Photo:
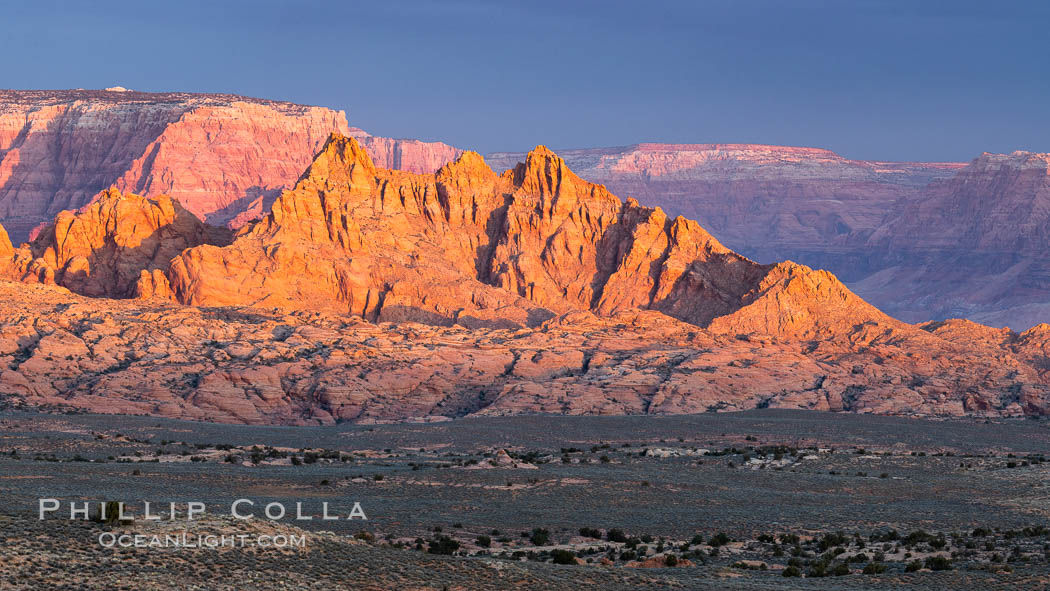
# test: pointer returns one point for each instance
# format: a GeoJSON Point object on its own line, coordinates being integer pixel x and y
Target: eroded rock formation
{"type": "Point", "coordinates": [919, 240]}
{"type": "Point", "coordinates": [109, 246]}
{"type": "Point", "coordinates": [467, 245]}
{"type": "Point", "coordinates": [224, 157]}
{"type": "Point", "coordinates": [60, 350]}
{"type": "Point", "coordinates": [369, 294]}
{"type": "Point", "coordinates": [767, 202]}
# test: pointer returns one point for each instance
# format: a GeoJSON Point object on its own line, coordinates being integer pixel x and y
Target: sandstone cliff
{"type": "Point", "coordinates": [106, 248]}
{"type": "Point", "coordinates": [919, 240]}
{"type": "Point", "coordinates": [224, 157]}
{"type": "Point", "coordinates": [468, 246]}
{"type": "Point", "coordinates": [974, 245]}
{"type": "Point", "coordinates": [905, 236]}
{"type": "Point", "coordinates": [407, 154]}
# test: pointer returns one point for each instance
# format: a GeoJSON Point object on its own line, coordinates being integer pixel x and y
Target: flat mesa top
{"type": "Point", "coordinates": [52, 97]}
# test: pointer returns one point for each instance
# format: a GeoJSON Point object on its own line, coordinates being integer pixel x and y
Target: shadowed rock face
{"type": "Point", "coordinates": [224, 157]}
{"type": "Point", "coordinates": [978, 242]}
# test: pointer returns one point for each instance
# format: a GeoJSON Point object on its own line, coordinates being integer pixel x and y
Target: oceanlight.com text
{"type": "Point", "coordinates": [206, 541]}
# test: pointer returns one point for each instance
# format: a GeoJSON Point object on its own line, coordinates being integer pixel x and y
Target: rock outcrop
{"type": "Point", "coordinates": [910, 237]}
{"type": "Point", "coordinates": [60, 350]}
{"type": "Point", "coordinates": [224, 157]}
{"type": "Point", "coordinates": [467, 245]}
{"type": "Point", "coordinates": [109, 246]}
{"type": "Point", "coordinates": [6, 249]}
{"type": "Point", "coordinates": [354, 239]}
{"type": "Point", "coordinates": [767, 202]}
{"type": "Point", "coordinates": [369, 294]}
{"type": "Point", "coordinates": [920, 241]}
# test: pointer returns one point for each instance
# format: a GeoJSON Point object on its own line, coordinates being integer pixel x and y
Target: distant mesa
{"type": "Point", "coordinates": [225, 158]}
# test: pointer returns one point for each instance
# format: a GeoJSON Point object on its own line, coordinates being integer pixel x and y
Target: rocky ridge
{"type": "Point", "coordinates": [907, 237]}
{"type": "Point", "coordinates": [919, 240]}
{"type": "Point", "coordinates": [111, 248]}
{"type": "Point", "coordinates": [467, 245]}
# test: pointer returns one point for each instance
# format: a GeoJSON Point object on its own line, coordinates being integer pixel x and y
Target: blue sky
{"type": "Point", "coordinates": [875, 79]}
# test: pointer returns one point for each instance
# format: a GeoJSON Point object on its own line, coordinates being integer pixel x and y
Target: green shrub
{"type": "Point", "coordinates": [818, 569]}
{"type": "Point", "coordinates": [719, 539]}
{"type": "Point", "coordinates": [831, 540]}
{"type": "Point", "coordinates": [540, 536]}
{"type": "Point", "coordinates": [443, 545]}
{"type": "Point", "coordinates": [560, 556]}
{"type": "Point", "coordinates": [938, 563]}
{"type": "Point", "coordinates": [916, 537]}
{"type": "Point", "coordinates": [874, 568]}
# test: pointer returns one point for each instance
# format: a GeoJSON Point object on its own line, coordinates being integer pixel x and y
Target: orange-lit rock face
{"type": "Point", "coordinates": [107, 247]}
{"type": "Point", "coordinates": [6, 249]}
{"type": "Point", "coordinates": [467, 245]}
{"type": "Point", "coordinates": [354, 239]}
{"type": "Point", "coordinates": [223, 157]}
